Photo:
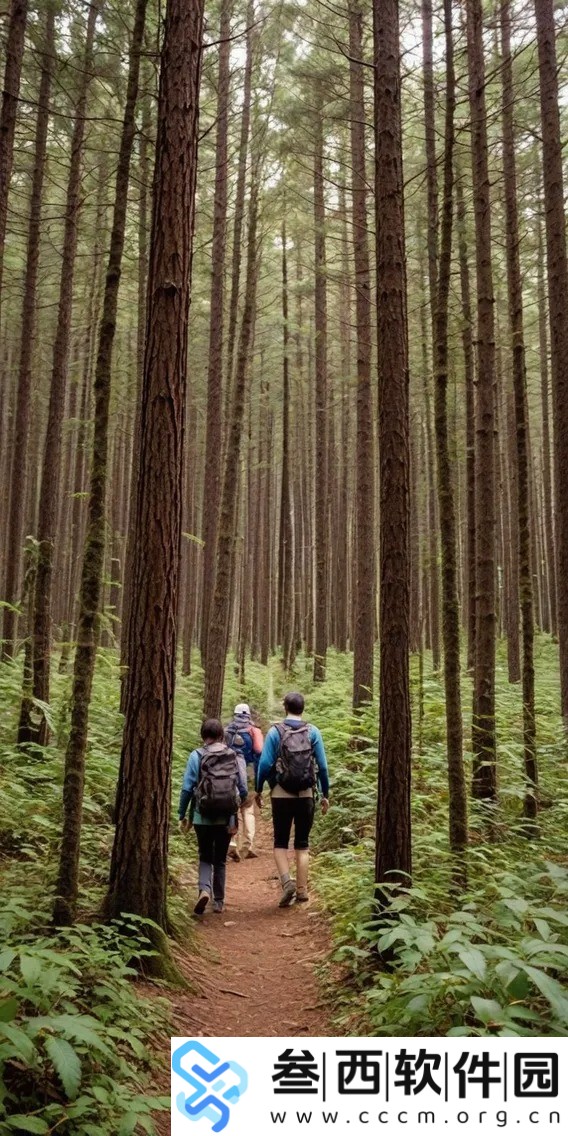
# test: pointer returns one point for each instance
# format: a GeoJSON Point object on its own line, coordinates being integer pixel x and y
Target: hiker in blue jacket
{"type": "Point", "coordinates": [294, 764]}
{"type": "Point", "coordinates": [213, 784]}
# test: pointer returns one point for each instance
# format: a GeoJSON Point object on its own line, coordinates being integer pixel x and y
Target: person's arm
{"type": "Point", "coordinates": [190, 779]}
{"type": "Point", "coordinates": [321, 761]}
{"type": "Point", "coordinates": [257, 741]}
{"type": "Point", "coordinates": [267, 758]}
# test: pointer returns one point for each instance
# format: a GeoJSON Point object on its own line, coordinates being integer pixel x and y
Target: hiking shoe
{"type": "Point", "coordinates": [218, 906]}
{"type": "Point", "coordinates": [234, 854]}
{"type": "Point", "coordinates": [288, 893]}
{"type": "Point", "coordinates": [202, 901]}
{"type": "Point", "coordinates": [302, 895]}
{"type": "Point", "coordinates": [250, 855]}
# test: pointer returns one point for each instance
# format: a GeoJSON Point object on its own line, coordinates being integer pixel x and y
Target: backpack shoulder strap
{"type": "Point", "coordinates": [281, 729]}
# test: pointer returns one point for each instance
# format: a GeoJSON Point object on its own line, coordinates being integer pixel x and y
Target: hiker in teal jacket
{"type": "Point", "coordinates": [213, 833]}
{"type": "Point", "coordinates": [296, 806]}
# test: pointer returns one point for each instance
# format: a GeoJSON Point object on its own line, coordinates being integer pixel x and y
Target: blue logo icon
{"type": "Point", "coordinates": [214, 1089]}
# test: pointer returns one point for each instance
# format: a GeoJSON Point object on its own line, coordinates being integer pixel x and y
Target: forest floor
{"type": "Point", "coordinates": [254, 972]}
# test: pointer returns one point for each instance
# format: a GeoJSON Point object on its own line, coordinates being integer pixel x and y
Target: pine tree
{"type": "Point", "coordinates": [393, 858]}
{"type": "Point", "coordinates": [139, 873]}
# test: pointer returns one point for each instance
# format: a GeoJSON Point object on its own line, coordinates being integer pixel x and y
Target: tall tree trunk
{"type": "Point", "coordinates": [18, 477]}
{"type": "Point", "coordinates": [286, 548]}
{"type": "Point", "coordinates": [321, 410]}
{"type": "Point", "coordinates": [139, 865]}
{"type": "Point", "coordinates": [393, 861]}
{"type": "Point", "coordinates": [515, 289]}
{"type": "Point", "coordinates": [51, 468]}
{"type": "Point", "coordinates": [557, 265]}
{"type": "Point", "coordinates": [214, 429]}
{"type": "Point", "coordinates": [415, 584]}
{"type": "Point", "coordinates": [26, 706]}
{"type": "Point", "coordinates": [550, 545]}
{"type": "Point", "coordinates": [344, 537]}
{"type": "Point", "coordinates": [469, 369]}
{"type": "Point", "coordinates": [432, 248]}
{"type": "Point", "coordinates": [217, 636]}
{"type": "Point", "coordinates": [432, 503]}
{"type": "Point", "coordinates": [94, 552]}
{"type": "Point", "coordinates": [510, 502]}
{"type": "Point", "coordinates": [430, 151]}
{"type": "Point", "coordinates": [240, 203]}
{"type": "Point", "coordinates": [80, 471]}
{"type": "Point", "coordinates": [364, 630]}
{"type": "Point", "coordinates": [483, 724]}
{"type": "Point", "coordinates": [8, 111]}
{"type": "Point", "coordinates": [447, 509]}
{"type": "Point", "coordinates": [143, 210]}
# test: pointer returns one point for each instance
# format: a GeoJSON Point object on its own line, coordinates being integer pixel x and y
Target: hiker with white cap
{"type": "Point", "coordinates": [246, 741]}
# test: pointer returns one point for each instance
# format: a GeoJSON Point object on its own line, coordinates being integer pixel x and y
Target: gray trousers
{"type": "Point", "coordinates": [213, 843]}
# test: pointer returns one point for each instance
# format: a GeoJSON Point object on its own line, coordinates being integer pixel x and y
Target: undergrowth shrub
{"type": "Point", "coordinates": [74, 1035]}
{"type": "Point", "coordinates": [492, 959]}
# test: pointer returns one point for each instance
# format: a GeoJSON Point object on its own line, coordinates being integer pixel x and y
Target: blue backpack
{"type": "Point", "coordinates": [239, 739]}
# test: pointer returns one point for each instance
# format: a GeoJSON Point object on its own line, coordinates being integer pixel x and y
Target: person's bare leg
{"type": "Point", "coordinates": [302, 864]}
{"type": "Point", "coordinates": [288, 884]}
{"type": "Point", "coordinates": [281, 858]}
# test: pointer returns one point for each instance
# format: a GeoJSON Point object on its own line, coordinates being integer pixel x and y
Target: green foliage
{"type": "Point", "coordinates": [73, 1030]}
{"type": "Point", "coordinates": [490, 960]}
{"type": "Point", "coordinates": [76, 1038]}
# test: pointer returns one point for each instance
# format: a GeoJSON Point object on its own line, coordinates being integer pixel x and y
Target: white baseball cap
{"type": "Point", "coordinates": [242, 708]}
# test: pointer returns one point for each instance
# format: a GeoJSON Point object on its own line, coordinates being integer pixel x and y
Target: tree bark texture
{"type": "Point", "coordinates": [139, 865]}
{"type": "Point", "coordinates": [286, 546]}
{"type": "Point", "coordinates": [8, 111]}
{"type": "Point", "coordinates": [523, 519]}
{"type": "Point", "coordinates": [557, 265]}
{"type": "Point", "coordinates": [214, 428]}
{"type": "Point", "coordinates": [94, 550]}
{"type": "Point", "coordinates": [364, 630]}
{"type": "Point", "coordinates": [483, 725]}
{"type": "Point", "coordinates": [548, 513]}
{"type": "Point", "coordinates": [51, 467]}
{"type": "Point", "coordinates": [217, 636]}
{"type": "Point", "coordinates": [447, 508]}
{"type": "Point", "coordinates": [321, 409]}
{"type": "Point", "coordinates": [469, 377]}
{"type": "Point", "coordinates": [393, 860]}
{"type": "Point", "coordinates": [18, 476]}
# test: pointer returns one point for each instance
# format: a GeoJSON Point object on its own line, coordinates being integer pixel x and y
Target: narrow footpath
{"type": "Point", "coordinates": [255, 966]}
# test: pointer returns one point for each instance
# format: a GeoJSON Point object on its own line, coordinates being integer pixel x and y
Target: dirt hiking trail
{"type": "Point", "coordinates": [255, 970]}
